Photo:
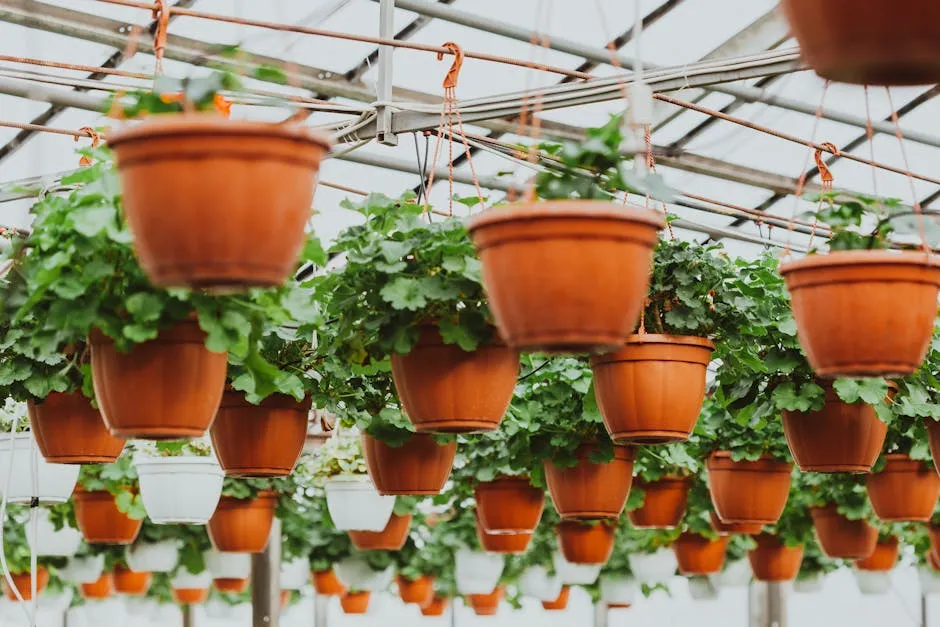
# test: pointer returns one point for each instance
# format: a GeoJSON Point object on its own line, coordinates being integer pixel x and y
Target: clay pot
{"type": "Point", "coordinates": [259, 440]}
{"type": "Point", "coordinates": [664, 503]}
{"type": "Point", "coordinates": [727, 529]}
{"type": "Point", "coordinates": [840, 437]}
{"type": "Point", "coordinates": [230, 584]}
{"type": "Point", "coordinates": [560, 603]}
{"type": "Point", "coordinates": [326, 583]}
{"type": "Point", "coordinates": [100, 520]}
{"type": "Point", "coordinates": [840, 297]}
{"type": "Point", "coordinates": [69, 430]}
{"type": "Point", "coordinates": [509, 505]}
{"type": "Point", "coordinates": [392, 538]}
{"type": "Point", "coordinates": [100, 589]}
{"type": "Point", "coordinates": [445, 389]}
{"type": "Point", "coordinates": [192, 187]}
{"type": "Point", "coordinates": [436, 607]}
{"type": "Point", "coordinates": [933, 439]}
{"type": "Point", "coordinates": [24, 583]}
{"type": "Point", "coordinates": [841, 538]}
{"type": "Point", "coordinates": [190, 596]}
{"type": "Point", "coordinates": [883, 558]}
{"type": "Point", "coordinates": [748, 492]}
{"type": "Point", "coordinates": [506, 543]}
{"type": "Point", "coordinates": [698, 555]}
{"type": "Point", "coordinates": [876, 42]}
{"type": "Point", "coordinates": [167, 388]}
{"type": "Point", "coordinates": [906, 490]}
{"type": "Point", "coordinates": [420, 591]}
{"type": "Point", "coordinates": [774, 561]}
{"type": "Point", "coordinates": [651, 390]}
{"type": "Point", "coordinates": [588, 490]}
{"type": "Point", "coordinates": [242, 525]}
{"type": "Point", "coordinates": [420, 466]}
{"type": "Point", "coordinates": [486, 604]}
{"type": "Point", "coordinates": [584, 543]}
{"type": "Point", "coordinates": [127, 581]}
{"type": "Point", "coordinates": [355, 602]}
{"type": "Point", "coordinates": [566, 276]}
{"type": "Point", "coordinates": [933, 560]}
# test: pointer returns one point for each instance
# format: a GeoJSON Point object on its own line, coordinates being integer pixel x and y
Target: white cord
{"type": "Point", "coordinates": [30, 615]}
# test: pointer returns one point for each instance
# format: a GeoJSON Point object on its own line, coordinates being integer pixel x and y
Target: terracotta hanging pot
{"type": "Point", "coordinates": [392, 538]}
{"type": "Point", "coordinates": [840, 437]}
{"type": "Point", "coordinates": [167, 388]}
{"type": "Point", "coordinates": [588, 490]}
{"type": "Point", "coordinates": [772, 560]}
{"type": "Point", "coordinates": [841, 297]}
{"type": "Point", "coordinates": [841, 538]}
{"type": "Point", "coordinates": [933, 439]}
{"type": "Point", "coordinates": [190, 596]}
{"type": "Point", "coordinates": [486, 604]}
{"type": "Point", "coordinates": [69, 430]}
{"type": "Point", "coordinates": [100, 589]}
{"type": "Point", "coordinates": [698, 555]}
{"type": "Point", "coordinates": [24, 583]}
{"type": "Point", "coordinates": [355, 602]}
{"type": "Point", "coordinates": [561, 603]}
{"type": "Point", "coordinates": [883, 558]}
{"type": "Point", "coordinates": [445, 389]}
{"type": "Point", "coordinates": [664, 503]}
{"type": "Point", "coordinates": [436, 607]}
{"type": "Point", "coordinates": [651, 390]}
{"type": "Point", "coordinates": [586, 543]}
{"type": "Point", "coordinates": [566, 276]}
{"type": "Point", "coordinates": [326, 583]}
{"type": "Point", "coordinates": [419, 591]}
{"type": "Point", "coordinates": [933, 531]}
{"type": "Point", "coordinates": [100, 520]}
{"type": "Point", "coordinates": [259, 440]}
{"type": "Point", "coordinates": [192, 185]}
{"type": "Point", "coordinates": [748, 491]}
{"type": "Point", "coordinates": [420, 466]}
{"type": "Point", "coordinates": [727, 529]}
{"type": "Point", "coordinates": [506, 543]}
{"type": "Point", "coordinates": [509, 505]}
{"type": "Point", "coordinates": [127, 581]}
{"type": "Point", "coordinates": [242, 525]}
{"type": "Point", "coordinates": [230, 584]}
{"type": "Point", "coordinates": [906, 490]}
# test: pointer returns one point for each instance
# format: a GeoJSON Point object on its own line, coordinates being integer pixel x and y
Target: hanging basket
{"type": "Point", "coordinates": [906, 490]}
{"type": "Point", "coordinates": [841, 297]}
{"type": "Point", "coordinates": [477, 572]}
{"type": "Point", "coordinates": [841, 538]}
{"type": "Point", "coordinates": [420, 466]}
{"type": "Point", "coordinates": [326, 583]}
{"type": "Point", "coordinates": [585, 543]}
{"type": "Point", "coordinates": [230, 585]}
{"type": "Point", "coordinates": [774, 561]}
{"type": "Point", "coordinates": [190, 589]}
{"type": "Point", "coordinates": [153, 557]}
{"type": "Point", "coordinates": [179, 490]}
{"type": "Point", "coordinates": [436, 607]}
{"type": "Point", "coordinates": [588, 490]}
{"type": "Point", "coordinates": [69, 430]}
{"type": "Point", "coordinates": [872, 582]}
{"type": "Point", "coordinates": [618, 590]}
{"type": "Point", "coordinates": [419, 591]}
{"type": "Point", "coordinates": [83, 569]}
{"type": "Point", "coordinates": [730, 529]}
{"type": "Point", "coordinates": [566, 276]}
{"type": "Point", "coordinates": [24, 584]}
{"type": "Point", "coordinates": [575, 574]}
{"type": "Point", "coordinates": [294, 574]}
{"type": "Point", "coordinates": [748, 491]}
{"type": "Point", "coordinates": [227, 565]}
{"type": "Point", "coordinates": [701, 588]}
{"type": "Point", "coordinates": [50, 542]}
{"type": "Point", "coordinates": [809, 585]}
{"type": "Point", "coordinates": [357, 574]}
{"type": "Point", "coordinates": [508, 505]}
{"type": "Point", "coordinates": [664, 503]}
{"type": "Point", "coordinates": [392, 538]}
{"type": "Point", "coordinates": [505, 543]}
{"type": "Point", "coordinates": [445, 389]}
{"type": "Point", "coordinates": [127, 581]}
{"type": "Point", "coordinates": [54, 483]}
{"type": "Point", "coordinates": [698, 555]}
{"type": "Point", "coordinates": [535, 582]}
{"type": "Point", "coordinates": [486, 604]}
{"type": "Point", "coordinates": [192, 188]}
{"type": "Point", "coordinates": [651, 390]}
{"type": "Point", "coordinates": [735, 574]}
{"type": "Point", "coordinates": [242, 525]}
{"type": "Point", "coordinates": [100, 588]}
{"type": "Point", "coordinates": [167, 388]}
{"type": "Point", "coordinates": [100, 520]}
{"type": "Point", "coordinates": [883, 558]}
{"type": "Point", "coordinates": [355, 602]}
{"type": "Point", "coordinates": [560, 602]}
{"type": "Point", "coordinates": [653, 568]}
{"type": "Point", "coordinates": [355, 505]}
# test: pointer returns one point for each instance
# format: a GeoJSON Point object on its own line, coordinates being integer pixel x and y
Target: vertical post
{"type": "Point", "coordinates": [768, 604]}
{"type": "Point", "coordinates": [189, 616]}
{"type": "Point", "coordinates": [923, 609]}
{"type": "Point", "coordinates": [265, 581]}
{"type": "Point", "coordinates": [601, 614]}
{"type": "Point", "coordinates": [384, 87]}
{"type": "Point", "coordinates": [320, 602]}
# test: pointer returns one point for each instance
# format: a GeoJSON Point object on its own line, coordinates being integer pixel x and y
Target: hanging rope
{"type": "Point", "coordinates": [825, 174]}
{"type": "Point", "coordinates": [95, 140]}
{"type": "Point", "coordinates": [161, 15]}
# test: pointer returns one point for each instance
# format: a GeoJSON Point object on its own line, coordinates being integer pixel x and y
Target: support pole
{"type": "Point", "coordinates": [387, 31]}
{"type": "Point", "coordinates": [265, 581]}
{"type": "Point", "coordinates": [320, 602]}
{"type": "Point", "coordinates": [923, 610]}
{"type": "Point", "coordinates": [601, 614]}
{"type": "Point", "coordinates": [189, 616]}
{"type": "Point", "coordinates": [768, 604]}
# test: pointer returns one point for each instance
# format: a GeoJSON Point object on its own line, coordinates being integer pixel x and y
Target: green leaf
{"type": "Point", "coordinates": [404, 293]}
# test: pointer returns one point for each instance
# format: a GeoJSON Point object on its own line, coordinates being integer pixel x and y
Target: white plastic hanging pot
{"type": "Point", "coordinates": [295, 574]}
{"type": "Point", "coordinates": [220, 610]}
{"type": "Point", "coordinates": [140, 606]}
{"type": "Point", "coordinates": [104, 612]}
{"type": "Point", "coordinates": [185, 580]}
{"type": "Point", "coordinates": [153, 557]}
{"type": "Point", "coordinates": [701, 589]}
{"type": "Point", "coordinates": [535, 582]}
{"type": "Point", "coordinates": [179, 490]}
{"type": "Point", "coordinates": [618, 590]}
{"type": "Point", "coordinates": [808, 585]}
{"type": "Point", "coordinates": [226, 565]}
{"type": "Point", "coordinates": [477, 572]}
{"type": "Point", "coordinates": [356, 574]}
{"type": "Point", "coordinates": [54, 482]}
{"type": "Point", "coordinates": [83, 569]}
{"type": "Point", "coordinates": [167, 614]}
{"type": "Point", "coordinates": [736, 574]}
{"type": "Point", "coordinates": [929, 580]}
{"type": "Point", "coordinates": [572, 574]}
{"type": "Point", "coordinates": [653, 568]}
{"type": "Point", "coordinates": [355, 504]}
{"type": "Point", "coordinates": [57, 601]}
{"type": "Point", "coordinates": [872, 581]}
{"type": "Point", "coordinates": [52, 543]}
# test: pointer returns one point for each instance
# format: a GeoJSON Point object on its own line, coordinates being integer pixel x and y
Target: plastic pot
{"type": "Point", "coordinates": [179, 490]}
{"type": "Point", "coordinates": [190, 589]}
{"type": "Point", "coordinates": [702, 589]}
{"type": "Point", "coordinates": [726, 529]}
{"type": "Point", "coordinates": [560, 602]}
{"type": "Point", "coordinates": [618, 590]}
{"type": "Point", "coordinates": [52, 543]}
{"type": "Point", "coordinates": [933, 438]}
{"type": "Point", "coordinates": [419, 591]}
{"type": "Point", "coordinates": [54, 483]}
{"type": "Point", "coordinates": [436, 607]}
{"type": "Point", "coordinates": [326, 583]}
{"type": "Point", "coordinates": [841, 538]}
{"type": "Point", "coordinates": [295, 574]}
{"type": "Point", "coordinates": [356, 574]}
{"type": "Point", "coordinates": [242, 525]}
{"type": "Point", "coordinates": [929, 580]}
{"type": "Point", "coordinates": [99, 588]}
{"type": "Point", "coordinates": [748, 491]}
{"type": "Point", "coordinates": [698, 555]}
{"type": "Point", "coordinates": [508, 505]}
{"type": "Point", "coordinates": [100, 520]}
{"type": "Point", "coordinates": [872, 582]}
{"type": "Point", "coordinates": [588, 490]}
{"type": "Point", "coordinates": [223, 565]}
{"type": "Point", "coordinates": [420, 466]}
{"type": "Point", "coordinates": [392, 538]}
{"type": "Point", "coordinates": [127, 581]}
{"type": "Point", "coordinates": [535, 582]}
{"type": "Point", "coordinates": [735, 574]}
{"type": "Point", "coordinates": [230, 584]}
{"type": "Point", "coordinates": [575, 574]}
{"type": "Point", "coordinates": [656, 567]}
{"type": "Point", "coordinates": [355, 504]}
{"type": "Point", "coordinates": [83, 569]}
{"type": "Point", "coordinates": [583, 543]}
{"type": "Point", "coordinates": [69, 430]}
{"type": "Point", "coordinates": [153, 557]}
{"type": "Point", "coordinates": [24, 583]}
{"type": "Point", "coordinates": [905, 490]}
{"type": "Point", "coordinates": [809, 585]}
{"type": "Point", "coordinates": [477, 572]}
{"type": "Point", "coordinates": [506, 543]}
{"type": "Point", "coordinates": [355, 602]}
{"type": "Point", "coordinates": [486, 604]}
{"type": "Point", "coordinates": [664, 503]}
{"type": "Point", "coordinates": [771, 560]}
{"type": "Point", "coordinates": [883, 558]}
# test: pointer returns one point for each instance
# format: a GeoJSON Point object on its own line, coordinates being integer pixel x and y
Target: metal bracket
{"type": "Point", "coordinates": [384, 87]}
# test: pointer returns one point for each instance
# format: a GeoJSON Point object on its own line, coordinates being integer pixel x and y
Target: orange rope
{"type": "Point", "coordinates": [910, 177]}
{"type": "Point", "coordinates": [73, 66]}
{"type": "Point", "coordinates": [161, 15]}
{"type": "Point", "coordinates": [825, 174]}
{"type": "Point", "coordinates": [95, 140]}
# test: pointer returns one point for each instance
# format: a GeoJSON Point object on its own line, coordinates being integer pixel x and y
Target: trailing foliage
{"type": "Point", "coordinates": [847, 492]}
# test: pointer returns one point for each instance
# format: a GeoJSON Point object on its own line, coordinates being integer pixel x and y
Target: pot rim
{"type": "Point", "coordinates": [843, 258]}
{"type": "Point", "coordinates": [664, 339]}
{"type": "Point", "coordinates": [902, 462]}
{"type": "Point", "coordinates": [765, 463]}
{"type": "Point", "coordinates": [203, 124]}
{"type": "Point", "coordinates": [152, 462]}
{"type": "Point", "coordinates": [567, 209]}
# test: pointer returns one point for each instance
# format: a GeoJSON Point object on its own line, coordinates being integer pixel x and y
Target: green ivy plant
{"type": "Point", "coordinates": [697, 517]}
{"type": "Point", "coordinates": [847, 492]}
{"type": "Point", "coordinates": [120, 480]}
{"type": "Point", "coordinates": [340, 455]}
{"type": "Point", "coordinates": [795, 526]}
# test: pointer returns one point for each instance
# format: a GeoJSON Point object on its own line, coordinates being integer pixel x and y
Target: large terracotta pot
{"type": "Point", "coordinates": [567, 276]}
{"type": "Point", "coordinates": [876, 42]}
{"type": "Point", "coordinates": [167, 388]}
{"type": "Point", "coordinates": [509, 505]}
{"type": "Point", "coordinates": [506, 543]}
{"type": "Point", "coordinates": [840, 437]}
{"type": "Point", "coordinates": [586, 543]}
{"type": "Point", "coordinates": [748, 491]}
{"type": "Point", "coordinates": [24, 583]}
{"type": "Point", "coordinates": [728, 529]}
{"type": "Point", "coordinates": [127, 581]}
{"type": "Point", "coordinates": [100, 520]}
{"type": "Point", "coordinates": [771, 560]}
{"type": "Point", "coordinates": [445, 389]}
{"type": "Point", "coordinates": [326, 583]}
{"type": "Point", "coordinates": [420, 591]}
{"type": "Point", "coordinates": [841, 538]}
{"type": "Point", "coordinates": [933, 439]}
{"type": "Point", "coordinates": [664, 503]}
{"type": "Point", "coordinates": [651, 390]}
{"type": "Point", "coordinates": [69, 430]}
{"type": "Point", "coordinates": [242, 525]}
{"type": "Point", "coordinates": [263, 440]}
{"type": "Point", "coordinates": [698, 555]}
{"type": "Point", "coordinates": [100, 589]}
{"type": "Point", "coordinates": [231, 585]}
{"type": "Point", "coordinates": [192, 187]}
{"type": "Point", "coordinates": [841, 297]}
{"type": "Point", "coordinates": [560, 603]}
{"type": "Point", "coordinates": [906, 490]}
{"type": "Point", "coordinates": [486, 604]}
{"type": "Point", "coordinates": [190, 596]}
{"type": "Point", "coordinates": [436, 607]}
{"type": "Point", "coordinates": [883, 558]}
{"type": "Point", "coordinates": [588, 490]}
{"type": "Point", "coordinates": [420, 466]}
{"type": "Point", "coordinates": [392, 538]}
{"type": "Point", "coordinates": [355, 602]}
